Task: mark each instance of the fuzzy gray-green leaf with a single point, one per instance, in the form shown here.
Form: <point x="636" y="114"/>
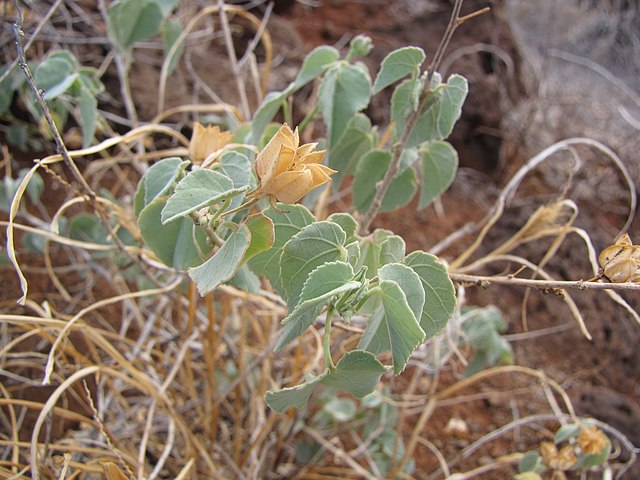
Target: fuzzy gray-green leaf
<point x="224" y="263"/>
<point x="398" y="64"/>
<point x="314" y="245"/>
<point x="440" y="297"/>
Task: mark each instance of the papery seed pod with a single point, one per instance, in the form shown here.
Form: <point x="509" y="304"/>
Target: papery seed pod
<point x="621" y="261"/>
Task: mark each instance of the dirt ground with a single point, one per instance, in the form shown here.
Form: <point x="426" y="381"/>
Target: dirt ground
<point x="600" y="376"/>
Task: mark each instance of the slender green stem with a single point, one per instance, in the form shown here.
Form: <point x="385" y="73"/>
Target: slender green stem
<point x="306" y="120"/>
<point x="241" y="207"/>
<point x="219" y="211"/>
<point x="328" y="361"/>
<point x="286" y="111"/>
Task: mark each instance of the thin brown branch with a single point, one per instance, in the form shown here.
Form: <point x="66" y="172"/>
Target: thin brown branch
<point x="550" y="285"/>
<point x="60" y="146"/>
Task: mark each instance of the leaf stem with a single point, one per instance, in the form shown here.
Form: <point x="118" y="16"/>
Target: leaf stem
<point x="309" y="117"/>
<point x="241" y="207"/>
<point x="328" y="361"/>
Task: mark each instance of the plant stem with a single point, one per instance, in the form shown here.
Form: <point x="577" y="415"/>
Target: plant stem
<point x="381" y="189"/>
<point x="60" y="146"/>
<point x="328" y="361"/>
<point x="485" y="281"/>
<point x="306" y="120"/>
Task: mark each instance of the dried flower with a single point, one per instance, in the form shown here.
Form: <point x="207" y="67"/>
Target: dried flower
<point x="207" y="140"/>
<point x="592" y="440"/>
<point x="287" y="171"/>
<point x="562" y="460"/>
<point x="621" y="261"/>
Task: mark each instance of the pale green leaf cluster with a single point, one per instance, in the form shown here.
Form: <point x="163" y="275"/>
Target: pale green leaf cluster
<point x="198" y="219"/>
<point x="68" y="88"/>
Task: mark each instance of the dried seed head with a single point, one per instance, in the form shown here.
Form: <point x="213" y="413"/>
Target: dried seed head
<point x="621" y="261"/>
<point x="288" y="171"/>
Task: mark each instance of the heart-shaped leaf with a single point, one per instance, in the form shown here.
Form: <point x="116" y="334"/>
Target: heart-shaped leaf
<point x="398" y="64"/>
<point x="439" y="163"/>
<point x="314" y="245"/>
<point x="323" y="283"/>
<point x="440" y="295"/>
<point x="198" y="189"/>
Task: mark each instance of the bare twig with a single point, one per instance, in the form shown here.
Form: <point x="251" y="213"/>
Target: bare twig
<point x="486" y="281"/>
<point x="33" y="37"/>
<point x="61" y="148"/>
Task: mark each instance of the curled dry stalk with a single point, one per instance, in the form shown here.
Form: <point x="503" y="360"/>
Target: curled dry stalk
<point x="553" y="221"/>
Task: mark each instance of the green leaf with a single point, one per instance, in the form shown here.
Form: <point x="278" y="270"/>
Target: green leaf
<point x="404" y="101"/>
<point x="314" y="64"/>
<point x="344" y="91"/>
<point x="265" y="113"/>
<point x="323" y="283"/>
<point x="167" y="5"/>
<point x="371" y="170"/>
<point x="565" y="432"/>
<point x="340" y="409"/>
<point x="353" y="253"/>
<point x="56" y="73"/>
<point x="482" y="332"/>
<point x="89" y="80"/>
<point x="286" y="224"/>
<point x="7" y="90"/>
<point x="132" y="20"/>
<point x="262" y="235"/>
<point x="347" y="223"/>
<point x="530" y="462"/>
<point x="408" y="281"/>
<point x="88" y="228"/>
<point x="246" y="280"/>
<point x="157" y="181"/>
<point x="442" y="112"/>
<point x="179" y="244"/>
<point x="398" y="64"/>
<point x="314" y="245"/>
<point x="440" y="295"/>
<point x="237" y="167"/>
<point x="297" y="396"/>
<point x="88" y="114"/>
<point x="358" y="372"/>
<point x="224" y="263"/>
<point x="171" y="30"/>
<point x="198" y="189"/>
<point x="392" y="250"/>
<point x="439" y="163"/>
<point x="393" y="327"/>
<point x="371" y="248"/>
<point x="357" y="140"/>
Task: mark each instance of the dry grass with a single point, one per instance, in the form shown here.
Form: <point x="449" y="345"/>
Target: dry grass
<point x="113" y="367"/>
